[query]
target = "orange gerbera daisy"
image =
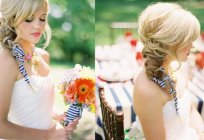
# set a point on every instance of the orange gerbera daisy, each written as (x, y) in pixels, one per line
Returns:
(83, 87)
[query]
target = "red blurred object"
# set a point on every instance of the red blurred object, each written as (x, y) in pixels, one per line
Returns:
(133, 42)
(200, 60)
(128, 33)
(139, 56)
(202, 36)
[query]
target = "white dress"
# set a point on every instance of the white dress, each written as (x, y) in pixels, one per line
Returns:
(32, 107)
(176, 129)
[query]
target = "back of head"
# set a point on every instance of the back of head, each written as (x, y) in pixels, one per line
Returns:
(14, 12)
(165, 28)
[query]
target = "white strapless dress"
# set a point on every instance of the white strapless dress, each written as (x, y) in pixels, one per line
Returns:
(32, 107)
(176, 129)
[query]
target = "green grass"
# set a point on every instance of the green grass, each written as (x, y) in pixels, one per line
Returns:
(108, 11)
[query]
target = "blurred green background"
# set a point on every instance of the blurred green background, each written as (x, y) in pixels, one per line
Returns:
(108, 11)
(73, 42)
(73, 27)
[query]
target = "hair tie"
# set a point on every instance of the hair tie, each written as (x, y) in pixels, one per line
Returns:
(19, 55)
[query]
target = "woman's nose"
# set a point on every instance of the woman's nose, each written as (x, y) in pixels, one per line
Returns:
(37, 24)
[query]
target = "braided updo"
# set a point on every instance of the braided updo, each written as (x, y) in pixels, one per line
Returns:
(164, 29)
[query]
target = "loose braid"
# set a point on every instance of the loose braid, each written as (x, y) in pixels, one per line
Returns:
(155, 53)
(6, 33)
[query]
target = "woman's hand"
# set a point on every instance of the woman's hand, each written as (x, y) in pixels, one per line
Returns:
(70, 127)
(62, 133)
(57, 133)
(58, 117)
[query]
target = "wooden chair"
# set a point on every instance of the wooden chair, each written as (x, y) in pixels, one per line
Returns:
(112, 121)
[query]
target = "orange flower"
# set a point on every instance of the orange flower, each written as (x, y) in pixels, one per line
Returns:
(90, 98)
(70, 93)
(84, 88)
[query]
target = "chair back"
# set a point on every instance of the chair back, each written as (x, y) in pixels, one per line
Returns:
(112, 121)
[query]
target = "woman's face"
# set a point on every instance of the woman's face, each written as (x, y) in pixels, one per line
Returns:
(30, 30)
(184, 52)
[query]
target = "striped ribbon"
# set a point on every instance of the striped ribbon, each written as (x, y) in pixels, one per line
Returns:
(164, 84)
(73, 112)
(19, 55)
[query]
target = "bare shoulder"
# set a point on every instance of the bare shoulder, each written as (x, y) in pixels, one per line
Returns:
(44, 54)
(8, 63)
(146, 90)
(148, 100)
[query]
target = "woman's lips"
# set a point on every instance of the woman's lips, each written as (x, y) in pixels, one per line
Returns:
(37, 34)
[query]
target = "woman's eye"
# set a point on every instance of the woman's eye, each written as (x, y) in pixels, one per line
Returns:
(28, 20)
(42, 19)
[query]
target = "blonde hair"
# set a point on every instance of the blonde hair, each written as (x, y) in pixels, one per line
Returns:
(164, 29)
(15, 11)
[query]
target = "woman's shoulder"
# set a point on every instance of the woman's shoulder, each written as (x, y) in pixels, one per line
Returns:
(44, 54)
(8, 63)
(146, 90)
(143, 85)
(7, 58)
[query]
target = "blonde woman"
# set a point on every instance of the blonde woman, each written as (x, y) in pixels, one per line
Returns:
(163, 106)
(26, 89)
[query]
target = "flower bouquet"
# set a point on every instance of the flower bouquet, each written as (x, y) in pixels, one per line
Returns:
(78, 89)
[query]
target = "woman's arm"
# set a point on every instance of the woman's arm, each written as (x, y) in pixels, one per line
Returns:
(148, 106)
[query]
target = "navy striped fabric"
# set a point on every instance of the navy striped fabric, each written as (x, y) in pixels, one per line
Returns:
(163, 84)
(19, 55)
(117, 101)
(73, 112)
(130, 99)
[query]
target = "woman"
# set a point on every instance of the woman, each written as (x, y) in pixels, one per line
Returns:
(162, 104)
(27, 91)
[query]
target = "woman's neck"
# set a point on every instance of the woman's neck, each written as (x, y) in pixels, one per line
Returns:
(27, 46)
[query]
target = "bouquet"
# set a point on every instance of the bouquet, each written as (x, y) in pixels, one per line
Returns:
(78, 89)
